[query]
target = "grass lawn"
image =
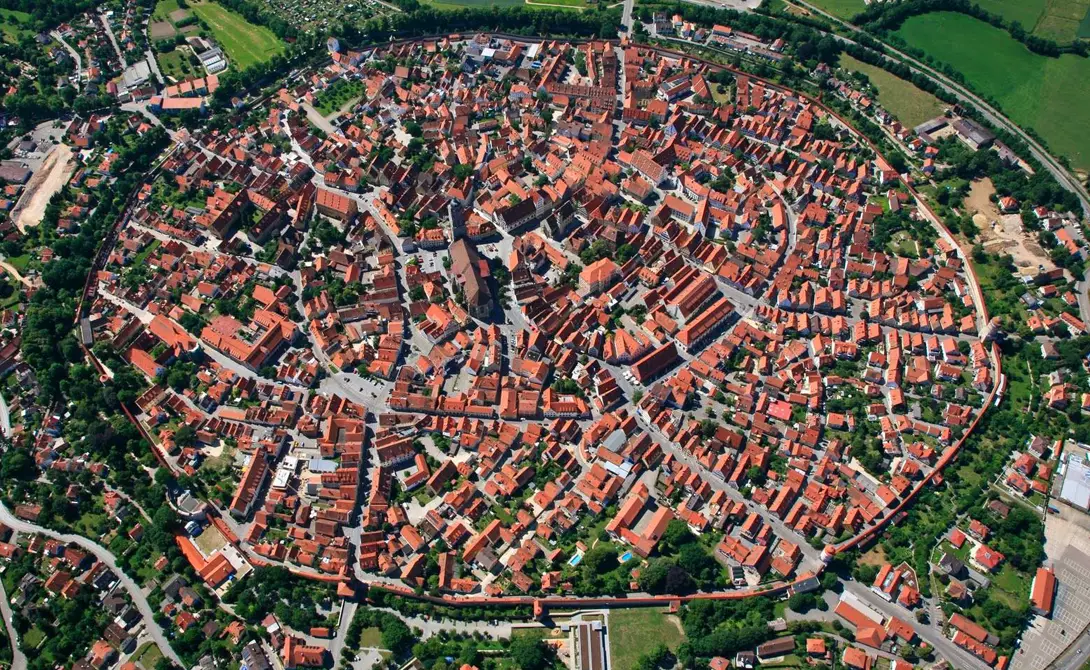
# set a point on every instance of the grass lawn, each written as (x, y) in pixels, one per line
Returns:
(33, 638)
(634, 632)
(147, 656)
(20, 263)
(245, 43)
(1048, 94)
(14, 25)
(210, 540)
(911, 105)
(141, 257)
(163, 8)
(337, 95)
(176, 64)
(845, 9)
(371, 637)
(875, 556)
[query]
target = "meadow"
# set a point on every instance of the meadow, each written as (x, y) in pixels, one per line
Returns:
(245, 43)
(911, 105)
(1049, 95)
(15, 25)
(844, 9)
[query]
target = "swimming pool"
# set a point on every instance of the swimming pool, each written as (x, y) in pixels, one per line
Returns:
(574, 560)
(625, 557)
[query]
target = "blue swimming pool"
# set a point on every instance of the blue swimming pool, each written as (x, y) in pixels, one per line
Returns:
(574, 560)
(626, 557)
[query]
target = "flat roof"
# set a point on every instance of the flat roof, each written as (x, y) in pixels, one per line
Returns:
(1076, 486)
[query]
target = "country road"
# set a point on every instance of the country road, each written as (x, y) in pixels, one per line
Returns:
(108, 559)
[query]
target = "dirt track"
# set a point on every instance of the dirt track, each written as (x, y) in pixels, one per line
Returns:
(49, 179)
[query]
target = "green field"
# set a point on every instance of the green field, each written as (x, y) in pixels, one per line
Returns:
(1049, 95)
(163, 8)
(176, 64)
(845, 9)
(911, 105)
(147, 656)
(634, 632)
(568, 4)
(337, 95)
(455, 4)
(1026, 12)
(1064, 20)
(15, 25)
(245, 43)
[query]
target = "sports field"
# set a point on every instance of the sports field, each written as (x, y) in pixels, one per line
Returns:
(245, 43)
(1049, 95)
(911, 105)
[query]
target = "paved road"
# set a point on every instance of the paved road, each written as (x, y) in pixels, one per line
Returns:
(931, 633)
(74, 54)
(108, 559)
(626, 18)
(18, 658)
(5, 418)
(113, 40)
(1076, 655)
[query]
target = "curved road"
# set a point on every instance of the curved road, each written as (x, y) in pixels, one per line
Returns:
(107, 558)
(18, 658)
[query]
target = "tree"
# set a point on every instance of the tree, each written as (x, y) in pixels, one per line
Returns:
(600, 560)
(663, 575)
(801, 602)
(675, 535)
(529, 653)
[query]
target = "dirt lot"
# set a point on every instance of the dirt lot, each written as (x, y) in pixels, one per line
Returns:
(49, 179)
(1003, 232)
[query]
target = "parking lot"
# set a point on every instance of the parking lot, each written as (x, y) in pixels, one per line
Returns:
(1067, 544)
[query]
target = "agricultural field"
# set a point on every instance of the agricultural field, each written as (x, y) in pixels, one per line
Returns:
(1049, 95)
(1059, 20)
(1064, 20)
(1026, 12)
(911, 105)
(15, 25)
(245, 43)
(635, 632)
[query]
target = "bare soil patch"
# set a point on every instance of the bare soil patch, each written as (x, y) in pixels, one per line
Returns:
(1003, 233)
(50, 178)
